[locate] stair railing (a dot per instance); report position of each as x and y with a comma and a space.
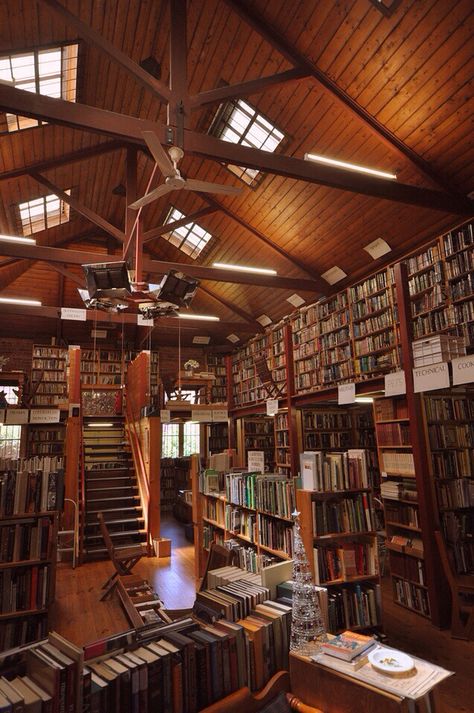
81, 509
139, 463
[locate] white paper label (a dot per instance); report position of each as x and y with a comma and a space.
256, 461
346, 393
272, 407
165, 415
395, 384
144, 322
429, 378
463, 370
220, 414
79, 315
204, 416
44, 415
17, 415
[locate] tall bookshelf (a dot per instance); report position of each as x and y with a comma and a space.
276, 356
156, 390
101, 366
217, 437
326, 427
338, 531
247, 388
49, 375
282, 444
45, 439
458, 248
256, 433
216, 365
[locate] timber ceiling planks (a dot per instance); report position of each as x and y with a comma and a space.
412, 72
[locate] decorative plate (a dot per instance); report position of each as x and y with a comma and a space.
391, 662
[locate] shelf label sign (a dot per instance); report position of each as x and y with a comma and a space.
395, 384
144, 322
220, 414
44, 415
17, 416
272, 407
463, 370
204, 416
256, 461
430, 378
165, 415
346, 393
78, 315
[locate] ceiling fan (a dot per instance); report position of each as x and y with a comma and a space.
173, 178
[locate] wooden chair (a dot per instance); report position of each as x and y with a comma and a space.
462, 594
244, 700
123, 559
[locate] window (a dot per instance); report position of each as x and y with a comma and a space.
52, 72
240, 123
10, 437
191, 438
8, 393
42, 213
190, 238
170, 440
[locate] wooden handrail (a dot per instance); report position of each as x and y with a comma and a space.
81, 495
138, 461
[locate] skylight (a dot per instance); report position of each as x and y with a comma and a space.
41, 213
52, 72
240, 123
190, 238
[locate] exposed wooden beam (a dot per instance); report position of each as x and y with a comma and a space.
15, 271
178, 107
130, 197
254, 19
64, 272
159, 267
264, 239
252, 86
129, 318
169, 227
129, 129
72, 157
79, 207
155, 86
234, 308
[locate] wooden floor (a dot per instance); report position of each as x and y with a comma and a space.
81, 617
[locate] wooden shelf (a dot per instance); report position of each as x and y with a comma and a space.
405, 527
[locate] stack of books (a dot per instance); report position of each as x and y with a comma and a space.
349, 646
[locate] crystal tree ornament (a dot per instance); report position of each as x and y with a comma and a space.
307, 627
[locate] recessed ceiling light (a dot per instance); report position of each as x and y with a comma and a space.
349, 166
333, 275
19, 301
233, 338
201, 340
208, 317
377, 248
264, 320
17, 239
295, 300
243, 268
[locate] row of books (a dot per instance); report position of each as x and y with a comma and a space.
453, 464
397, 463
379, 362
323, 471
271, 493
18, 631
31, 485
344, 561
411, 596
359, 606
327, 421
457, 493
451, 435
275, 534
393, 434
331, 439
368, 287
25, 539
411, 568
393, 490
425, 280
402, 514
371, 305
373, 324
241, 522
24, 589
385, 340
351, 514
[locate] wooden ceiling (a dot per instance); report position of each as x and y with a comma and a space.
391, 92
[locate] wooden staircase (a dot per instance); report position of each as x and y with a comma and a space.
111, 487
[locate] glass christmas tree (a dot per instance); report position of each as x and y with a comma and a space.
307, 627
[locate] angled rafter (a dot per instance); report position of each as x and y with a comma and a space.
15, 271
72, 157
159, 267
80, 282
252, 86
252, 17
128, 128
156, 86
169, 227
234, 308
79, 207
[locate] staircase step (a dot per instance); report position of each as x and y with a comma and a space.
108, 470
100, 504
113, 512
125, 536
131, 524
105, 482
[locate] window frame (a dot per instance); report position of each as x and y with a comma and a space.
49, 220
181, 439
189, 227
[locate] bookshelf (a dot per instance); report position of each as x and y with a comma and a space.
256, 433
338, 531
174, 476
217, 437
156, 390
49, 375
45, 439
101, 366
276, 356
326, 427
246, 387
283, 462
216, 365
449, 417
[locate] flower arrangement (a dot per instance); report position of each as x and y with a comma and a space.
191, 364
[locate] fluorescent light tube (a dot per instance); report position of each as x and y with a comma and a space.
100, 425
350, 166
242, 268
208, 317
19, 301
17, 239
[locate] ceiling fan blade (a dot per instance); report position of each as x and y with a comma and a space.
152, 196
206, 187
159, 154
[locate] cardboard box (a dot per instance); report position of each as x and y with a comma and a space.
162, 547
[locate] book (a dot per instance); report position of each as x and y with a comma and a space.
347, 645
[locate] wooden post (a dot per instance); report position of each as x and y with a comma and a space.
73, 436
154, 440
197, 519
438, 591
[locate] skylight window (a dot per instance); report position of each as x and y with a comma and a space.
42, 213
240, 123
190, 238
52, 72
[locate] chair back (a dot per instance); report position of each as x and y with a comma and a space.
105, 534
